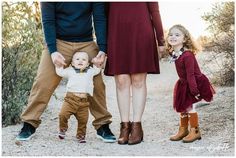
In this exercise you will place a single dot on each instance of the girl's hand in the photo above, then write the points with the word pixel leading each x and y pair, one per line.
pixel 161 51
pixel 197 96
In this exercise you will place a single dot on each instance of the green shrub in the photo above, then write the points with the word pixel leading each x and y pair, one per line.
pixel 21 50
pixel 221 26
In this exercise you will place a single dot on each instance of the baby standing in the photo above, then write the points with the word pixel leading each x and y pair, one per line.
pixel 192 85
pixel 79 88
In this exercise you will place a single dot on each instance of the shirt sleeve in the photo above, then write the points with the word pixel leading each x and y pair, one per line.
pixel 49 26
pixel 154 12
pixel 100 25
pixel 189 66
pixel 95 70
pixel 62 72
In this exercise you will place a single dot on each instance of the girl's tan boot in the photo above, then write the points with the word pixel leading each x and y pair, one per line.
pixel 183 128
pixel 194 133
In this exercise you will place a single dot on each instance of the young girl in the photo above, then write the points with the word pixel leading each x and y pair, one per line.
pixel 192 85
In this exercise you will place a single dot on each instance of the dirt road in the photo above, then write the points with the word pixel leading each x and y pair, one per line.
pixel 159 122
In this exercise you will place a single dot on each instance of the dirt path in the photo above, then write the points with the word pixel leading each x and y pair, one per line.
pixel 159 122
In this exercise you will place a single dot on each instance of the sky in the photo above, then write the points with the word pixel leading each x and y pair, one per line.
pixel 187 13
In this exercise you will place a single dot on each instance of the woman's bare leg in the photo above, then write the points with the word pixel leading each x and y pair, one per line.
pixel 139 94
pixel 123 83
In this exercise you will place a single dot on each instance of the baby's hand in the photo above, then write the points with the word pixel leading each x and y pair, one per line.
pixel 96 61
pixel 57 66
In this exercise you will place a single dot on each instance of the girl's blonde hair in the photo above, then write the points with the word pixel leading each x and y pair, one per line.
pixel 188 44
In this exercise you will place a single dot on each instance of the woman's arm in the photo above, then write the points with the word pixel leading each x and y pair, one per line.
pixel 154 12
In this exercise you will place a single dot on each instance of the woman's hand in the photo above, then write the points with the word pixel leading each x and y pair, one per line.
pixel 161 51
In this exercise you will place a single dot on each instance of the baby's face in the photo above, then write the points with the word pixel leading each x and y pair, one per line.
pixel 80 60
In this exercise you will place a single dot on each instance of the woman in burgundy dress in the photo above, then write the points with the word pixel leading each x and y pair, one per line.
pixel 192 85
pixel 134 35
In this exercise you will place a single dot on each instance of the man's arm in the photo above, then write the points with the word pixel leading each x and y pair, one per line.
pixel 49 26
pixel 100 24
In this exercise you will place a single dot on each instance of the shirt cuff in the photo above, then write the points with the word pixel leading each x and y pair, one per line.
pixel 103 47
pixel 100 53
pixel 52 49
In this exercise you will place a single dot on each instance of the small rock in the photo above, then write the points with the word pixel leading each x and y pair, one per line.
pixel 53 118
pixel 18 143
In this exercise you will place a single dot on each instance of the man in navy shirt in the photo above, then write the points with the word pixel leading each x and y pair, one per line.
pixel 68 29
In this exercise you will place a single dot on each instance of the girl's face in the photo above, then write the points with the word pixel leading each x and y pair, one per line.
pixel 175 38
pixel 80 60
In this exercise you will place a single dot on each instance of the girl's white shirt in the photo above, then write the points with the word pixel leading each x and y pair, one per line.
pixel 175 56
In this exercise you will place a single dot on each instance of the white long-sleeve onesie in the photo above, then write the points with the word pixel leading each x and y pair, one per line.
pixel 79 82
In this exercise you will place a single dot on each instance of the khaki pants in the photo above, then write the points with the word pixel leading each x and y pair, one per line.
pixel 47 80
pixel 74 105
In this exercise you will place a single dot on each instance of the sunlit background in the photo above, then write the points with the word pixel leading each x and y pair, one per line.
pixel 187 13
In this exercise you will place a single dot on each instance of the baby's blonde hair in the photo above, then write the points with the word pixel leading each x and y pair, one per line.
pixel 188 44
pixel 82 53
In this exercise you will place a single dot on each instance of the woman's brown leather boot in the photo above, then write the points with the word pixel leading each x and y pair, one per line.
pixel 124 133
pixel 136 134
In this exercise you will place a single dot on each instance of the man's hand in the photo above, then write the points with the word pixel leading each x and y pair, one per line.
pixel 58 59
pixel 99 59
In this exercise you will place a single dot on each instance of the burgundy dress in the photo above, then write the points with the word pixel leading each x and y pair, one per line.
pixel 191 83
pixel 132 46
